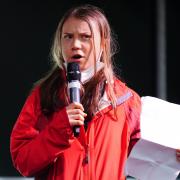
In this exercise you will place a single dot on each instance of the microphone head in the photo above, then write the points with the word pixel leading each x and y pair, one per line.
pixel 73 71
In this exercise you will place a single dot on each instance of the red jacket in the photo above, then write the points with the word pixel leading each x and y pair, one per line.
pixel 47 149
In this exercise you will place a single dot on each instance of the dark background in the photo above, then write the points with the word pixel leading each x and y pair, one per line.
pixel 26 32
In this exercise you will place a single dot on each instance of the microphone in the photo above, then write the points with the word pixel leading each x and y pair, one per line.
pixel 74 77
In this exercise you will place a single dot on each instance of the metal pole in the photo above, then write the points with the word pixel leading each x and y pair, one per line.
pixel 161 50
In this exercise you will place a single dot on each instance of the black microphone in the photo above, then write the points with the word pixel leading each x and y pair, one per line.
pixel 74 77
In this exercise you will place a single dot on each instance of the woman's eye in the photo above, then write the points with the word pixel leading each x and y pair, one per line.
pixel 67 36
pixel 86 37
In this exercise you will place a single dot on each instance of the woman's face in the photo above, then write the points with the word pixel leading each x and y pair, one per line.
pixel 77 42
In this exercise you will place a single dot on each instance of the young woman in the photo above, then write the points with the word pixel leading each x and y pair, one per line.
pixel 42 141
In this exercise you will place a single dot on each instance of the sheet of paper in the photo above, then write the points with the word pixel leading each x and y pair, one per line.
pixel 160 121
pixel 151 161
pixel 153 157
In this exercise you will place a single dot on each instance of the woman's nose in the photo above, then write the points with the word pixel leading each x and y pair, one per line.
pixel 76 44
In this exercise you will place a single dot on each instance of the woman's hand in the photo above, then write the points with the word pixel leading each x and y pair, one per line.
pixel 178 154
pixel 75 114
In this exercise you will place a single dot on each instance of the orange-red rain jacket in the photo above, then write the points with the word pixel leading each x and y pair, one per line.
pixel 47 149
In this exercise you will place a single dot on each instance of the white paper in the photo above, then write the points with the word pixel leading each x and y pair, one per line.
pixel 160 121
pixel 153 157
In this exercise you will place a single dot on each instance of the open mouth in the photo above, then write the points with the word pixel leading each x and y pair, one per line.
pixel 76 56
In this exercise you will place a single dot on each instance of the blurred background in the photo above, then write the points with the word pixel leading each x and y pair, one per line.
pixel 148 57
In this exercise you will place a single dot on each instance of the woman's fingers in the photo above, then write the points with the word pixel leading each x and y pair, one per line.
pixel 75 105
pixel 76 122
pixel 76 111
pixel 75 114
pixel 76 117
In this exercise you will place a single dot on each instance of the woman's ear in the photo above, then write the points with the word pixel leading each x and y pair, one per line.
pixel 100 54
pixel 102 47
pixel 102 43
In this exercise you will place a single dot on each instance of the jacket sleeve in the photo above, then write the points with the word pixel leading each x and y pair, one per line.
pixel 31 149
pixel 133 111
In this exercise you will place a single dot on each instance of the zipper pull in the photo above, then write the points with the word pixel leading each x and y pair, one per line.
pixel 86 159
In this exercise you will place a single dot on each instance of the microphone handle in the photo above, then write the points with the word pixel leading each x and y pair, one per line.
pixel 74 94
pixel 75 97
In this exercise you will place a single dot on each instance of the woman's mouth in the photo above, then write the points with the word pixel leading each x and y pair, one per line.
pixel 76 57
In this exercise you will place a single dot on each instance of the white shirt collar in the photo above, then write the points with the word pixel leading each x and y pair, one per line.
pixel 89 73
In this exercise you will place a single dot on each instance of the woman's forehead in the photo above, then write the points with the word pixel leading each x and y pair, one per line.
pixel 87 24
pixel 75 23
